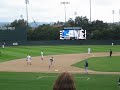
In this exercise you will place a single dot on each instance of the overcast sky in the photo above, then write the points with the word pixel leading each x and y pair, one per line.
pixel 53 10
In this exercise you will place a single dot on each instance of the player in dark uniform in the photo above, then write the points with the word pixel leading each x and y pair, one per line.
pixel 110 52
pixel 86 66
pixel 51 62
pixel 119 81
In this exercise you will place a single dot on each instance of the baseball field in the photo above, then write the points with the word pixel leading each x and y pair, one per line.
pixel 15 74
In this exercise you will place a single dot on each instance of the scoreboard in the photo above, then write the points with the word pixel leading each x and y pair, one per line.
pixel 72 33
pixel 12 34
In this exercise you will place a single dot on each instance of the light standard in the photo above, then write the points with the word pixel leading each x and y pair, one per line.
pixel 64 3
pixel 113 12
pixel 27 2
pixel 119 16
pixel 90 11
pixel 75 13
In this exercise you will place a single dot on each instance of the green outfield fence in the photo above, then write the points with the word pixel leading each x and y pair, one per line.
pixel 64 42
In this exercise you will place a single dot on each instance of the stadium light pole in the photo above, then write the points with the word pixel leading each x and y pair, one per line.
pixel 75 13
pixel 27 2
pixel 64 3
pixel 113 12
pixel 21 16
pixel 90 11
pixel 119 16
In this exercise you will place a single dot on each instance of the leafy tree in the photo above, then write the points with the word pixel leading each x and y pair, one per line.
pixel 81 22
pixel 96 30
pixel 44 32
pixel 70 23
pixel 21 23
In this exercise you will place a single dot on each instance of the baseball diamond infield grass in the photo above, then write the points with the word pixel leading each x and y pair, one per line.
pixel 106 64
pixel 45 81
pixel 16 52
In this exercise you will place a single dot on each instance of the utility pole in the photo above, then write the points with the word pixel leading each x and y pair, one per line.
pixel 64 3
pixel 35 22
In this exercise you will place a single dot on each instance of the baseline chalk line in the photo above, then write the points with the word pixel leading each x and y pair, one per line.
pixel 87 78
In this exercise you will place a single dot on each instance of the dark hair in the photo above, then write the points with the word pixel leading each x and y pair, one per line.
pixel 64 82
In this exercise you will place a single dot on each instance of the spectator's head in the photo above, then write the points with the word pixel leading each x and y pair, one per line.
pixel 64 82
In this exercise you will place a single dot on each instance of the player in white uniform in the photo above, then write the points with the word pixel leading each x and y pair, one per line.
pixel 41 55
pixel 3 45
pixel 89 49
pixel 28 60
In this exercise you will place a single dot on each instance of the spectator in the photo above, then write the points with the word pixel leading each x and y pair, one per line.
pixel 64 82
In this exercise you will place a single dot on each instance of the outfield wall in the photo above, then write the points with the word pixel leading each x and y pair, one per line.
pixel 67 42
pixel 8 34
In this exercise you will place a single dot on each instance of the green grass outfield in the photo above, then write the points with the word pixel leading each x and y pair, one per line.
pixel 31 81
pixel 15 52
pixel 104 64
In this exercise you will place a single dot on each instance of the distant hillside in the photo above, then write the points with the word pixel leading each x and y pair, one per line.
pixel 36 24
pixel 32 24
pixel 4 23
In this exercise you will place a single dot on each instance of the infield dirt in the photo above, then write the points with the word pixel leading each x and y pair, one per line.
pixel 61 63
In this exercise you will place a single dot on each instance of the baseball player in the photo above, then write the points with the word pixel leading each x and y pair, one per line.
pixel 112 44
pixel 41 55
pixel 3 45
pixel 0 53
pixel 89 49
pixel 51 62
pixel 119 81
pixel 110 52
pixel 86 66
pixel 28 60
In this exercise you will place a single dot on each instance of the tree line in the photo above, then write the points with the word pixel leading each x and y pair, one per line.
pixel 96 30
